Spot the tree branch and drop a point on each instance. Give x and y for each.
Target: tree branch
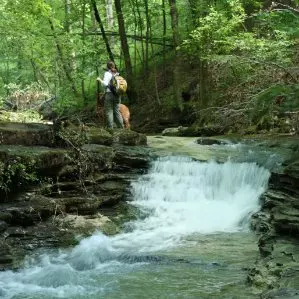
(278, 4)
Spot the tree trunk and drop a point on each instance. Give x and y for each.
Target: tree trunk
(147, 19)
(125, 49)
(164, 36)
(135, 33)
(98, 19)
(141, 34)
(67, 28)
(176, 42)
(164, 28)
(83, 56)
(110, 19)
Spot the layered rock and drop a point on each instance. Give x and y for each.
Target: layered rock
(50, 195)
(278, 225)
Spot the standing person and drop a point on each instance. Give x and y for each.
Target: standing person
(111, 100)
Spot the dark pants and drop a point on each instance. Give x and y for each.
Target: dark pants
(111, 108)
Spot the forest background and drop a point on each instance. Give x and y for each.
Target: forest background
(227, 65)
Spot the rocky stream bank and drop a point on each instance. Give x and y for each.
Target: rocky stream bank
(55, 186)
(275, 273)
(277, 268)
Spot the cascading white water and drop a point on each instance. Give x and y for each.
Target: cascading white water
(179, 197)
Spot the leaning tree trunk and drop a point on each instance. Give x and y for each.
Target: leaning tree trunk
(98, 19)
(125, 49)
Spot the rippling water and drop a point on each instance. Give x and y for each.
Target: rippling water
(191, 240)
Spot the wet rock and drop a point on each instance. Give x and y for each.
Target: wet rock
(266, 243)
(112, 187)
(5, 216)
(273, 198)
(23, 164)
(22, 217)
(120, 136)
(87, 224)
(126, 159)
(288, 293)
(292, 170)
(260, 277)
(99, 136)
(43, 234)
(129, 138)
(76, 184)
(26, 212)
(286, 220)
(6, 258)
(87, 205)
(260, 222)
(209, 141)
(3, 226)
(100, 155)
(178, 131)
(111, 201)
(278, 224)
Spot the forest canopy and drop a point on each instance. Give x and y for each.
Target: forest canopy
(229, 54)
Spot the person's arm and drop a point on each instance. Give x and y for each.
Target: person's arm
(107, 77)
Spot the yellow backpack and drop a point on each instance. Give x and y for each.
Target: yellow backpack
(119, 85)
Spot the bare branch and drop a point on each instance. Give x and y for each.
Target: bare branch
(278, 4)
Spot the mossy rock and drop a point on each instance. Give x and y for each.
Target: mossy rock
(129, 137)
(26, 134)
(99, 136)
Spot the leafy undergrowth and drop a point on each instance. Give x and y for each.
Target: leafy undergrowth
(28, 116)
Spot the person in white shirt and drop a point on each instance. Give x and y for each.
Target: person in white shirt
(111, 100)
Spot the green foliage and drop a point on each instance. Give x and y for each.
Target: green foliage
(215, 30)
(15, 173)
(59, 45)
(222, 32)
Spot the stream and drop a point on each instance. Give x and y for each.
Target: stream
(191, 238)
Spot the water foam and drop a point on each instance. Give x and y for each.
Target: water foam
(179, 196)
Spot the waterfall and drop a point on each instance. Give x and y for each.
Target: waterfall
(177, 198)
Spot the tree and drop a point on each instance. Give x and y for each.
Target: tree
(125, 48)
(176, 43)
(98, 19)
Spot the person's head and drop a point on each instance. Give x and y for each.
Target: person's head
(111, 66)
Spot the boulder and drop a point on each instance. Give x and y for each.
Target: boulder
(210, 141)
(178, 131)
(129, 137)
(99, 136)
